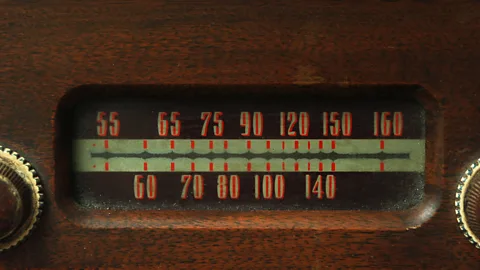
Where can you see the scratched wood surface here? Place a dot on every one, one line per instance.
(48, 47)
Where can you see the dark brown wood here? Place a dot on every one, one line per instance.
(49, 47)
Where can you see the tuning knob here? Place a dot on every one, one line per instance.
(20, 198)
(467, 204)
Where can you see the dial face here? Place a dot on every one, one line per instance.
(269, 153)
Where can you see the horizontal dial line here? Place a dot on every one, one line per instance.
(164, 155)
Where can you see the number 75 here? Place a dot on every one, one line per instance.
(218, 123)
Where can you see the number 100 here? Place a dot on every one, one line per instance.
(267, 188)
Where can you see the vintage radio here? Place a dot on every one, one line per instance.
(240, 134)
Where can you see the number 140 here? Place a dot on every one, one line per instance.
(320, 188)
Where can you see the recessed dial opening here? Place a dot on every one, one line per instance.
(288, 150)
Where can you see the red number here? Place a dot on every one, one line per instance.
(206, 116)
(198, 186)
(279, 186)
(112, 126)
(384, 126)
(258, 124)
(246, 122)
(139, 187)
(292, 119)
(164, 125)
(102, 127)
(398, 124)
(347, 124)
(222, 187)
(218, 128)
(198, 189)
(186, 180)
(152, 187)
(223, 183)
(265, 187)
(334, 125)
(175, 129)
(282, 124)
(331, 187)
(258, 187)
(318, 188)
(234, 187)
(304, 123)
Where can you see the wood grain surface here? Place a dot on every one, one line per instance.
(49, 47)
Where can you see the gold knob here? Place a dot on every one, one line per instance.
(20, 198)
(467, 204)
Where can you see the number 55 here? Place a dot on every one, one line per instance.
(103, 125)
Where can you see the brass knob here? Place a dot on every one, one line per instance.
(11, 209)
(20, 198)
(467, 204)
